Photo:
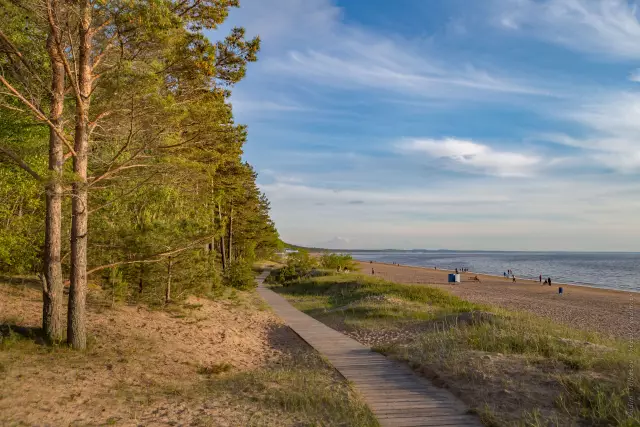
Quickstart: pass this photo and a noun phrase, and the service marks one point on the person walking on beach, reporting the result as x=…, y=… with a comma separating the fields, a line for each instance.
x=514, y=278
x=456, y=271
x=549, y=281
x=373, y=272
x=541, y=278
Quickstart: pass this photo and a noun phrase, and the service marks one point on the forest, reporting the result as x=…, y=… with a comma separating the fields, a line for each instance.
x=120, y=161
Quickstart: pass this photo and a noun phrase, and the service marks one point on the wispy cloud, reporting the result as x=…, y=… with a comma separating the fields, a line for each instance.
x=349, y=68
x=612, y=126
x=634, y=76
x=605, y=27
x=474, y=157
x=311, y=42
x=245, y=105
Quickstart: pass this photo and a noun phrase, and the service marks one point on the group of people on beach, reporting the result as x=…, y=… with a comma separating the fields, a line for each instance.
x=547, y=281
x=509, y=273
x=506, y=274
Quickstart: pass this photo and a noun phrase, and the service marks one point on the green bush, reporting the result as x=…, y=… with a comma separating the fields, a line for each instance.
x=301, y=261
x=338, y=262
x=239, y=275
x=299, y=264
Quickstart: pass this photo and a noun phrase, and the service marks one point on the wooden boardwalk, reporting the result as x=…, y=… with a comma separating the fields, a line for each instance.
x=397, y=396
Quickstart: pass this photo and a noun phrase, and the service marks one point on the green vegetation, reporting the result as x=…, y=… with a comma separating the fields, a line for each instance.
x=513, y=368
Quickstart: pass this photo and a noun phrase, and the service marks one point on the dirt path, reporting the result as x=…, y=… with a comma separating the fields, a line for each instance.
x=395, y=394
x=606, y=311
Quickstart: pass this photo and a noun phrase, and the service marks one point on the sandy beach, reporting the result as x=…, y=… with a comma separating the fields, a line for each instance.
x=614, y=313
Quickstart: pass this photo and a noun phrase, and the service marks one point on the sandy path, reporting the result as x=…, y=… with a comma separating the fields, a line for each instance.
x=615, y=313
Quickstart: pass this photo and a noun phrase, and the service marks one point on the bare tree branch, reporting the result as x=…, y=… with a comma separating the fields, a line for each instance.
x=19, y=54
x=156, y=257
x=18, y=161
x=39, y=114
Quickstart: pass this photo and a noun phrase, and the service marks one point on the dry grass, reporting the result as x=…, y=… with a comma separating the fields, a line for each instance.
x=514, y=368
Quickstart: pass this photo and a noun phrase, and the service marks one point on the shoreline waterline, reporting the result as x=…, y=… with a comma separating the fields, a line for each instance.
x=497, y=276
x=619, y=271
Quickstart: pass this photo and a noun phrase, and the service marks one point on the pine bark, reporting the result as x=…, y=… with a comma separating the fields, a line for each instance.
x=76, y=326
x=52, y=314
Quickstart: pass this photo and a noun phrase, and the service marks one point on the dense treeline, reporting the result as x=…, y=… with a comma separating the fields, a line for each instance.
x=120, y=161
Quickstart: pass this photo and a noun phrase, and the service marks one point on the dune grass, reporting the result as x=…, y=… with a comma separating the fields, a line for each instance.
x=514, y=368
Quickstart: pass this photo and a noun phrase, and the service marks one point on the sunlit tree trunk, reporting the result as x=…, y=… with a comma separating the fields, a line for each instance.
x=52, y=316
x=76, y=327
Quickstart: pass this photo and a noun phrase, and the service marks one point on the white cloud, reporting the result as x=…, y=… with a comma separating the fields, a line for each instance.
x=606, y=27
x=475, y=157
x=635, y=75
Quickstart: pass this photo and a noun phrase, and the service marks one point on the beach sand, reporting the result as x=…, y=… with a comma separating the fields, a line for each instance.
x=613, y=313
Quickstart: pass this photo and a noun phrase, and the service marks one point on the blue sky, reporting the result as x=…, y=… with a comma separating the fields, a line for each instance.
x=494, y=124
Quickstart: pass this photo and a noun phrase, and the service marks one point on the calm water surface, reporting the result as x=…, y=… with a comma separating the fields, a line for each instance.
x=601, y=270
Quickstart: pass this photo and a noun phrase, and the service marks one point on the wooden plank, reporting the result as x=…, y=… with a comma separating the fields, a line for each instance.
x=394, y=393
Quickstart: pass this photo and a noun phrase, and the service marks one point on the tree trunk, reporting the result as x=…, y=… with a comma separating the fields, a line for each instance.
x=230, y=234
x=167, y=293
x=76, y=328
x=222, y=248
x=52, y=323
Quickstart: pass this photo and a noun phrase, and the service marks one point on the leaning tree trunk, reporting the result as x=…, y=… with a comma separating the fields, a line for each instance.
x=52, y=318
x=76, y=328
